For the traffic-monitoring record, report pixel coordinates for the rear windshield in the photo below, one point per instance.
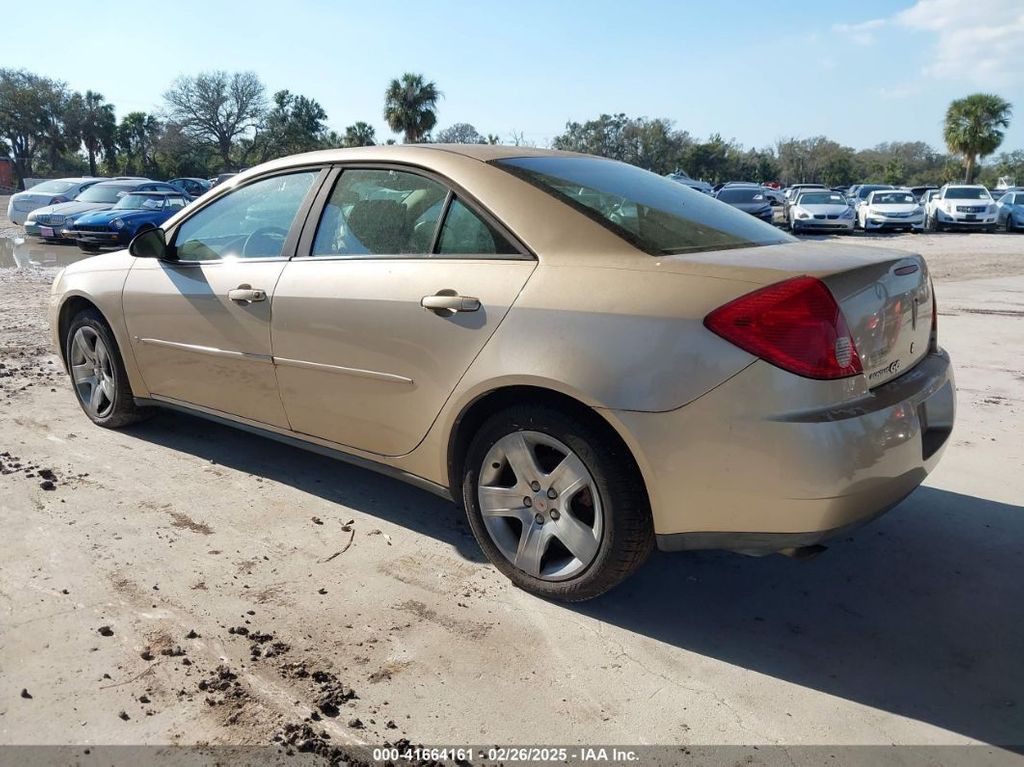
(52, 187)
(655, 214)
(741, 195)
(103, 193)
(966, 193)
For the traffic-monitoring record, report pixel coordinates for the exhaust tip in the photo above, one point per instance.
(803, 553)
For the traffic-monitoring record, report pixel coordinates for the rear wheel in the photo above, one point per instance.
(555, 504)
(97, 372)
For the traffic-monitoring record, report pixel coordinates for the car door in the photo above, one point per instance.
(397, 286)
(200, 324)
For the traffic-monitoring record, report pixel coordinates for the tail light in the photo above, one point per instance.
(795, 325)
(58, 199)
(933, 339)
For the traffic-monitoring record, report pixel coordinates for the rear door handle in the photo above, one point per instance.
(246, 294)
(444, 303)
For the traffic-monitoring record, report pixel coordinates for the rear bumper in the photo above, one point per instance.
(756, 465)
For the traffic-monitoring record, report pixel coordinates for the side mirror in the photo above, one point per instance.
(150, 244)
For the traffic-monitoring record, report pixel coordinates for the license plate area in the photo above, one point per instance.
(46, 231)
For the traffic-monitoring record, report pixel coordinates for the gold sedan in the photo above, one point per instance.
(590, 358)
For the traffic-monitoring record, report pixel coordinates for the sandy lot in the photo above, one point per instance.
(186, 583)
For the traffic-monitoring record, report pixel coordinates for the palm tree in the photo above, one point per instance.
(974, 127)
(95, 123)
(360, 134)
(410, 106)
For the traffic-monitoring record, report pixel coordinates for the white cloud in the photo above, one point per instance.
(862, 33)
(979, 43)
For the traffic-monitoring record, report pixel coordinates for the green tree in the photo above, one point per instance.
(294, 124)
(359, 134)
(648, 143)
(974, 127)
(28, 122)
(410, 106)
(137, 137)
(460, 133)
(92, 120)
(217, 109)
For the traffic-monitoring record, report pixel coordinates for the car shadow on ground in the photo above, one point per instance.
(920, 614)
(320, 476)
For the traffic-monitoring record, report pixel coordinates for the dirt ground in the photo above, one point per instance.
(180, 582)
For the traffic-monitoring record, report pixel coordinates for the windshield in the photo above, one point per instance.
(137, 201)
(739, 194)
(657, 215)
(967, 193)
(821, 198)
(102, 193)
(893, 198)
(52, 187)
(864, 191)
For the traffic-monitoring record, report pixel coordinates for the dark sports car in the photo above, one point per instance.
(132, 214)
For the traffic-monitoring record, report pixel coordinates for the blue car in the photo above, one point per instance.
(133, 213)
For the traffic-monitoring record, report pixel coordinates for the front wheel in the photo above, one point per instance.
(97, 372)
(555, 503)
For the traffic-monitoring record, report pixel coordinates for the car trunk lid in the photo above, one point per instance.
(885, 295)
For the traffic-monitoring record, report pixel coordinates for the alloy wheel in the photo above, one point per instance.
(92, 372)
(540, 505)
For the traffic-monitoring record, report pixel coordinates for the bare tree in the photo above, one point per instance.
(217, 108)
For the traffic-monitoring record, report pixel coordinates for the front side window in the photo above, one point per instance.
(380, 213)
(652, 213)
(251, 221)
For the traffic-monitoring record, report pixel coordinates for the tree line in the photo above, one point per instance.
(214, 122)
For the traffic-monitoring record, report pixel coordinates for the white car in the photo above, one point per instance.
(891, 209)
(52, 192)
(820, 210)
(962, 205)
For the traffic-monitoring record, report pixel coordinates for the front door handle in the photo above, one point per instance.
(246, 294)
(445, 303)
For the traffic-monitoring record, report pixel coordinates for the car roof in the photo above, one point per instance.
(163, 192)
(128, 183)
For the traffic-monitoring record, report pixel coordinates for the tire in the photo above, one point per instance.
(89, 346)
(932, 223)
(1010, 229)
(607, 521)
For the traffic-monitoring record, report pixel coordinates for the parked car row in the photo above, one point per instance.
(68, 210)
(876, 207)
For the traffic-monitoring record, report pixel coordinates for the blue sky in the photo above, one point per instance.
(860, 72)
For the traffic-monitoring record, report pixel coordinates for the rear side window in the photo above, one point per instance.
(380, 213)
(655, 214)
(465, 233)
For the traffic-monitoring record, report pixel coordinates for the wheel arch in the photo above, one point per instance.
(71, 306)
(479, 409)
